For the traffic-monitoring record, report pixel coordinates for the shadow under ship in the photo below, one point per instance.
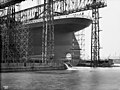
(64, 28)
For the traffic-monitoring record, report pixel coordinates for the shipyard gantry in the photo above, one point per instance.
(16, 38)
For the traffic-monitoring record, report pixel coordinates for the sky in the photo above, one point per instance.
(111, 29)
(110, 34)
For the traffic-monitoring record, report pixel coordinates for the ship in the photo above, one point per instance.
(65, 27)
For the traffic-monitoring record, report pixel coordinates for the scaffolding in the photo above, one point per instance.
(82, 44)
(22, 42)
(95, 40)
(2, 13)
(79, 42)
(8, 36)
(14, 38)
(76, 49)
(48, 32)
(95, 44)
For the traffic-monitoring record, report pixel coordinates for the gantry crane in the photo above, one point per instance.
(66, 7)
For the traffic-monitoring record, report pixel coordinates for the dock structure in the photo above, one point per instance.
(46, 30)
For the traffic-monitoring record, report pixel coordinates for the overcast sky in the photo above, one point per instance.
(111, 28)
(109, 23)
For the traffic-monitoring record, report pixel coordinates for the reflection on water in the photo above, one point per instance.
(76, 79)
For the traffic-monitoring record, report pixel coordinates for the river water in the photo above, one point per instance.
(82, 78)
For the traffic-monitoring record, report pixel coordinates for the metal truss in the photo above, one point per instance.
(95, 43)
(48, 32)
(22, 42)
(79, 42)
(14, 37)
(60, 7)
(52, 8)
(8, 46)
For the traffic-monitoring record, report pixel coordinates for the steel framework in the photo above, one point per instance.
(95, 40)
(48, 32)
(95, 44)
(79, 43)
(14, 38)
(9, 51)
(75, 46)
(47, 11)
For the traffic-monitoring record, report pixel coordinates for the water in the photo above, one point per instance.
(82, 78)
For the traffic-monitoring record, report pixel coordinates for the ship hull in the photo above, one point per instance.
(64, 29)
(64, 35)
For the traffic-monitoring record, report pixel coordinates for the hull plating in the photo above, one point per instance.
(64, 35)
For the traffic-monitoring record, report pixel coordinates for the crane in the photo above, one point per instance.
(53, 8)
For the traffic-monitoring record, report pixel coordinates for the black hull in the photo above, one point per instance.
(64, 35)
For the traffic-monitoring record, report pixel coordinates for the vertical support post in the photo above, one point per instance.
(1, 40)
(48, 32)
(43, 33)
(73, 47)
(95, 44)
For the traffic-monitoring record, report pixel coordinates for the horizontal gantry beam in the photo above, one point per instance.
(61, 7)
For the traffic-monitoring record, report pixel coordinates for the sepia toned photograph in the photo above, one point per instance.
(59, 45)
